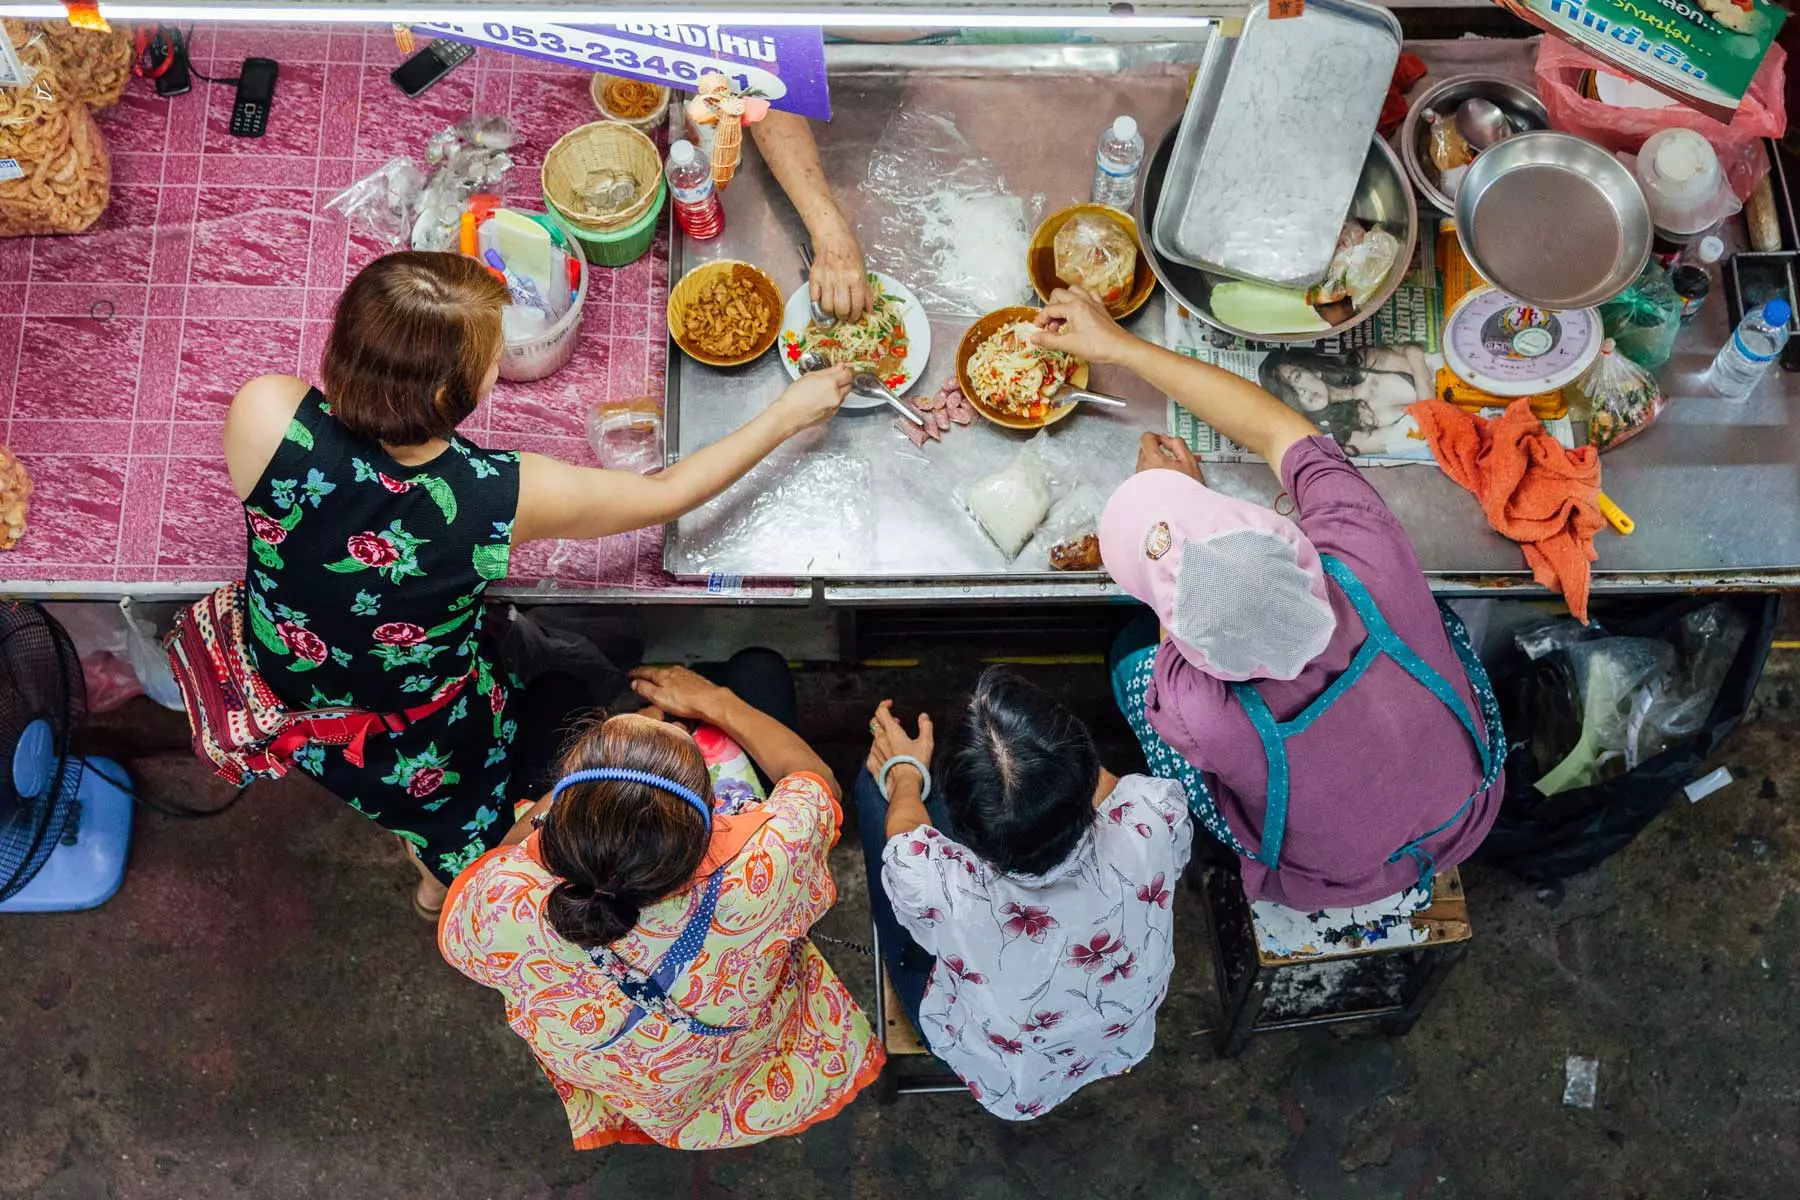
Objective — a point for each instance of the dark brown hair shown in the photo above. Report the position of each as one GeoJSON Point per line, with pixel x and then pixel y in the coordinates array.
{"type": "Point", "coordinates": [618, 846]}
{"type": "Point", "coordinates": [412, 340]}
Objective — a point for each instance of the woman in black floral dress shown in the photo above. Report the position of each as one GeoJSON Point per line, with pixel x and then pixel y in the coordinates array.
{"type": "Point", "coordinates": [375, 530]}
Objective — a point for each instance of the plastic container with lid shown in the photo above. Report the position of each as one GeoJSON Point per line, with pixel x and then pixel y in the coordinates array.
{"type": "Point", "coordinates": [543, 354]}
{"type": "Point", "coordinates": [1682, 182]}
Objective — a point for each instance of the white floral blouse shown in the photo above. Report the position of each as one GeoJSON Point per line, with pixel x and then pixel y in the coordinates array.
{"type": "Point", "coordinates": [1044, 983]}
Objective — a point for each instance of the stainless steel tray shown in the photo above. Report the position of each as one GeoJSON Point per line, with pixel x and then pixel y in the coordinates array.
{"type": "Point", "coordinates": [1273, 141]}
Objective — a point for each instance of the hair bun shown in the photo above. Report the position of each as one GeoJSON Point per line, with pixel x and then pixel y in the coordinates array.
{"type": "Point", "coordinates": [589, 917]}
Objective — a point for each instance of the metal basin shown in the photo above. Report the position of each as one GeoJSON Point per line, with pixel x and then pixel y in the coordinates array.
{"type": "Point", "coordinates": [1553, 219]}
{"type": "Point", "coordinates": [1383, 197]}
{"type": "Point", "coordinates": [1518, 102]}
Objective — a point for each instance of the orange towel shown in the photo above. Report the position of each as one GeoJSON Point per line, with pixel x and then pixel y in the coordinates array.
{"type": "Point", "coordinates": [1533, 491]}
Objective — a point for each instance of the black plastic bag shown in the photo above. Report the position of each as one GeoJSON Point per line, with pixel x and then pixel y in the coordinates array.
{"type": "Point", "coordinates": [590, 644]}
{"type": "Point", "coordinates": [1542, 838]}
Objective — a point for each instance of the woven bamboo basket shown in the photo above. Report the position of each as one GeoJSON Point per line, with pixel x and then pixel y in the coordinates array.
{"type": "Point", "coordinates": [601, 146]}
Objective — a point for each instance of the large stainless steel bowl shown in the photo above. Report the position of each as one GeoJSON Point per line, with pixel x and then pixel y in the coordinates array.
{"type": "Point", "coordinates": [1520, 104]}
{"type": "Point", "coordinates": [1553, 219]}
{"type": "Point", "coordinates": [1383, 197]}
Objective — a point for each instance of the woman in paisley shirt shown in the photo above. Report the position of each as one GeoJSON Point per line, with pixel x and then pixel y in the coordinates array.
{"type": "Point", "coordinates": [650, 938]}
{"type": "Point", "coordinates": [375, 528]}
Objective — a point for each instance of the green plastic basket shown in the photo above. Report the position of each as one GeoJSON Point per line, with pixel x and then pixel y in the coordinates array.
{"type": "Point", "coordinates": [621, 246]}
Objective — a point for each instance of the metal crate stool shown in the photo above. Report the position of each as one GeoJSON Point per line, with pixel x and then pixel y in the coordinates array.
{"type": "Point", "coordinates": [1281, 969]}
{"type": "Point", "coordinates": [904, 1044]}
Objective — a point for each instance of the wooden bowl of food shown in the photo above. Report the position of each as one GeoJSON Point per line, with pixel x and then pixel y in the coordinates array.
{"type": "Point", "coordinates": [724, 313]}
{"type": "Point", "coordinates": [1006, 380]}
{"type": "Point", "coordinates": [1122, 294]}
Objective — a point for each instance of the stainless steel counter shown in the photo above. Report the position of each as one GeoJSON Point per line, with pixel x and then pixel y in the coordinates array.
{"type": "Point", "coordinates": [1714, 485]}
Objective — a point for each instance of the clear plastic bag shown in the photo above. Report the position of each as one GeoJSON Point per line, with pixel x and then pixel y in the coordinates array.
{"type": "Point", "coordinates": [1095, 253]}
{"type": "Point", "coordinates": [1073, 535]}
{"type": "Point", "coordinates": [61, 174]}
{"type": "Point", "coordinates": [1612, 676]}
{"type": "Point", "coordinates": [787, 517]}
{"type": "Point", "coordinates": [1644, 319]}
{"type": "Point", "coordinates": [1011, 503]}
{"type": "Point", "coordinates": [1706, 644]}
{"type": "Point", "coordinates": [385, 202]}
{"type": "Point", "coordinates": [1622, 398]}
{"type": "Point", "coordinates": [943, 220]}
{"type": "Point", "coordinates": [627, 435]}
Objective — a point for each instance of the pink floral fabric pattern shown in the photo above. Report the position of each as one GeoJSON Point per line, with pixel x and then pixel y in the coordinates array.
{"type": "Point", "coordinates": [804, 1049]}
{"type": "Point", "coordinates": [1044, 984]}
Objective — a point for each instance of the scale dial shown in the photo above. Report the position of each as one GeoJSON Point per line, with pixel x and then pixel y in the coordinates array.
{"type": "Point", "coordinates": [1506, 347]}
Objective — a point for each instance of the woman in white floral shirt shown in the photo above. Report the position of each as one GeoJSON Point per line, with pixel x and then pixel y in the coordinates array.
{"type": "Point", "coordinates": [1024, 895]}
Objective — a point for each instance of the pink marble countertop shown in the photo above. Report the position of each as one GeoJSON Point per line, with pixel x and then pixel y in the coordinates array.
{"type": "Point", "coordinates": [216, 260]}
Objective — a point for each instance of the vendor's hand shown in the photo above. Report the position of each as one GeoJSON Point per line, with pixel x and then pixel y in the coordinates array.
{"type": "Point", "coordinates": [678, 692]}
{"type": "Point", "coordinates": [814, 399]}
{"type": "Point", "coordinates": [840, 280]}
{"type": "Point", "coordinates": [1159, 451]}
{"type": "Point", "coordinates": [1077, 323]}
{"type": "Point", "coordinates": [891, 739]}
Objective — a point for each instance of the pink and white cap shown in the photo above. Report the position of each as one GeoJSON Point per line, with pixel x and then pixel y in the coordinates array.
{"type": "Point", "coordinates": [1239, 589]}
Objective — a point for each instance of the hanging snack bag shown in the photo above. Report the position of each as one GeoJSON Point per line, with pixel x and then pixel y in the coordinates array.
{"type": "Point", "coordinates": [54, 170]}
{"type": "Point", "coordinates": [95, 64]}
{"type": "Point", "coordinates": [1622, 398]}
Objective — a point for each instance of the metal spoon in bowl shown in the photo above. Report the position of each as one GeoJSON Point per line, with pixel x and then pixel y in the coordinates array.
{"type": "Point", "coordinates": [1062, 393]}
{"type": "Point", "coordinates": [1482, 123]}
{"type": "Point", "coordinates": [864, 384]}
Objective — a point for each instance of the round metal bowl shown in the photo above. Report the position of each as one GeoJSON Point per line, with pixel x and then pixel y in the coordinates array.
{"type": "Point", "coordinates": [1383, 197]}
{"type": "Point", "coordinates": [980, 332]}
{"type": "Point", "coordinates": [1553, 219]}
{"type": "Point", "coordinates": [1518, 102]}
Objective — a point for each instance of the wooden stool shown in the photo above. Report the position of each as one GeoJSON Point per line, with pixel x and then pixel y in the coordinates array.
{"type": "Point", "coordinates": [904, 1042]}
{"type": "Point", "coordinates": [1264, 986]}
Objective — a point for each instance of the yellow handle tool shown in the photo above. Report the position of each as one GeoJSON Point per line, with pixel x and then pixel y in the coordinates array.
{"type": "Point", "coordinates": [1617, 517]}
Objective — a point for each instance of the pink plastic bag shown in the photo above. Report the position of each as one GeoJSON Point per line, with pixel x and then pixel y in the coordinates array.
{"type": "Point", "coordinates": [1739, 145]}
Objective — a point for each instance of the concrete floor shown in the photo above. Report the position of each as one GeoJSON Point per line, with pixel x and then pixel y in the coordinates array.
{"type": "Point", "coordinates": [258, 1013]}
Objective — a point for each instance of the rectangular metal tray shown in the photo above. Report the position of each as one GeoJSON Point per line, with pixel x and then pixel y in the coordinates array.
{"type": "Point", "coordinates": [1273, 141]}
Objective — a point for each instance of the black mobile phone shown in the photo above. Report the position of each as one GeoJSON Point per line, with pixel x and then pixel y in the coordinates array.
{"type": "Point", "coordinates": [430, 65]}
{"type": "Point", "coordinates": [256, 91]}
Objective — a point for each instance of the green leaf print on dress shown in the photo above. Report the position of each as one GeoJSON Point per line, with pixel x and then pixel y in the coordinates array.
{"type": "Point", "coordinates": [441, 495]}
{"type": "Point", "coordinates": [366, 604]}
{"type": "Point", "coordinates": [300, 434]}
{"type": "Point", "coordinates": [491, 561]}
{"type": "Point", "coordinates": [452, 864]}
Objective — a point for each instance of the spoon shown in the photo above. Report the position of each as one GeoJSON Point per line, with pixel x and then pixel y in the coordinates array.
{"type": "Point", "coordinates": [820, 318]}
{"type": "Point", "coordinates": [864, 384]}
{"type": "Point", "coordinates": [867, 384]}
{"type": "Point", "coordinates": [1064, 394]}
{"type": "Point", "coordinates": [1482, 123]}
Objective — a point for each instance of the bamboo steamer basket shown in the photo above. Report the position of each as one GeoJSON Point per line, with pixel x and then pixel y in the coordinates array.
{"type": "Point", "coordinates": [696, 280]}
{"type": "Point", "coordinates": [600, 146]}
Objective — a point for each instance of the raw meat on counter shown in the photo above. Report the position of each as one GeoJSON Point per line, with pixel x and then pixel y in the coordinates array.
{"type": "Point", "coordinates": [946, 408]}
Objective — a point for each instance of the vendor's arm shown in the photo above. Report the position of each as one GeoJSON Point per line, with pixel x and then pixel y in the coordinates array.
{"type": "Point", "coordinates": [840, 281]}
{"type": "Point", "coordinates": [255, 424]}
{"type": "Point", "coordinates": [559, 500]}
{"type": "Point", "coordinates": [905, 785]}
{"type": "Point", "coordinates": [778, 750]}
{"type": "Point", "coordinates": [1077, 322]}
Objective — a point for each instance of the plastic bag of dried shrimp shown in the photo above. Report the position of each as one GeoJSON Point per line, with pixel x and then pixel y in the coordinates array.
{"type": "Point", "coordinates": [54, 169]}
{"type": "Point", "coordinates": [94, 65]}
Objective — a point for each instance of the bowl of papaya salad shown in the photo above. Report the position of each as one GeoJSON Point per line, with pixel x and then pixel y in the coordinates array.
{"type": "Point", "coordinates": [893, 341]}
{"type": "Point", "coordinates": [1009, 379]}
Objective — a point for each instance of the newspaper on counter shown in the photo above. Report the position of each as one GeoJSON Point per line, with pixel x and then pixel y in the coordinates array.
{"type": "Point", "coordinates": [1356, 386]}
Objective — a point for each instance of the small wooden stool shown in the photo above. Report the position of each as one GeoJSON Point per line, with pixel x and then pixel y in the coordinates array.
{"type": "Point", "coordinates": [1265, 987]}
{"type": "Point", "coordinates": [904, 1042]}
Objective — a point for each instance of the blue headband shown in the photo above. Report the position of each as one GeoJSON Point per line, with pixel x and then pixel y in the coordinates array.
{"type": "Point", "coordinates": [627, 775]}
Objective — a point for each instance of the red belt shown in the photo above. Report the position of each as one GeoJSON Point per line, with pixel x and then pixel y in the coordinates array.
{"type": "Point", "coordinates": [351, 728]}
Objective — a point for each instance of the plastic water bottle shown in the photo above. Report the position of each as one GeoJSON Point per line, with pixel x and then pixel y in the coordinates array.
{"type": "Point", "coordinates": [1116, 165]}
{"type": "Point", "coordinates": [1752, 350]}
{"type": "Point", "coordinates": [697, 206]}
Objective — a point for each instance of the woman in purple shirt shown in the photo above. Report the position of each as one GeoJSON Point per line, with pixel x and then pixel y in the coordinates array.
{"type": "Point", "coordinates": [1331, 724]}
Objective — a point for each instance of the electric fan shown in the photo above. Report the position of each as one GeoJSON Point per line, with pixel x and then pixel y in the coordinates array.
{"type": "Point", "coordinates": [65, 822]}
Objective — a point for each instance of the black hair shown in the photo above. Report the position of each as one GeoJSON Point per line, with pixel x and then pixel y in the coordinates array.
{"type": "Point", "coordinates": [1018, 774]}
